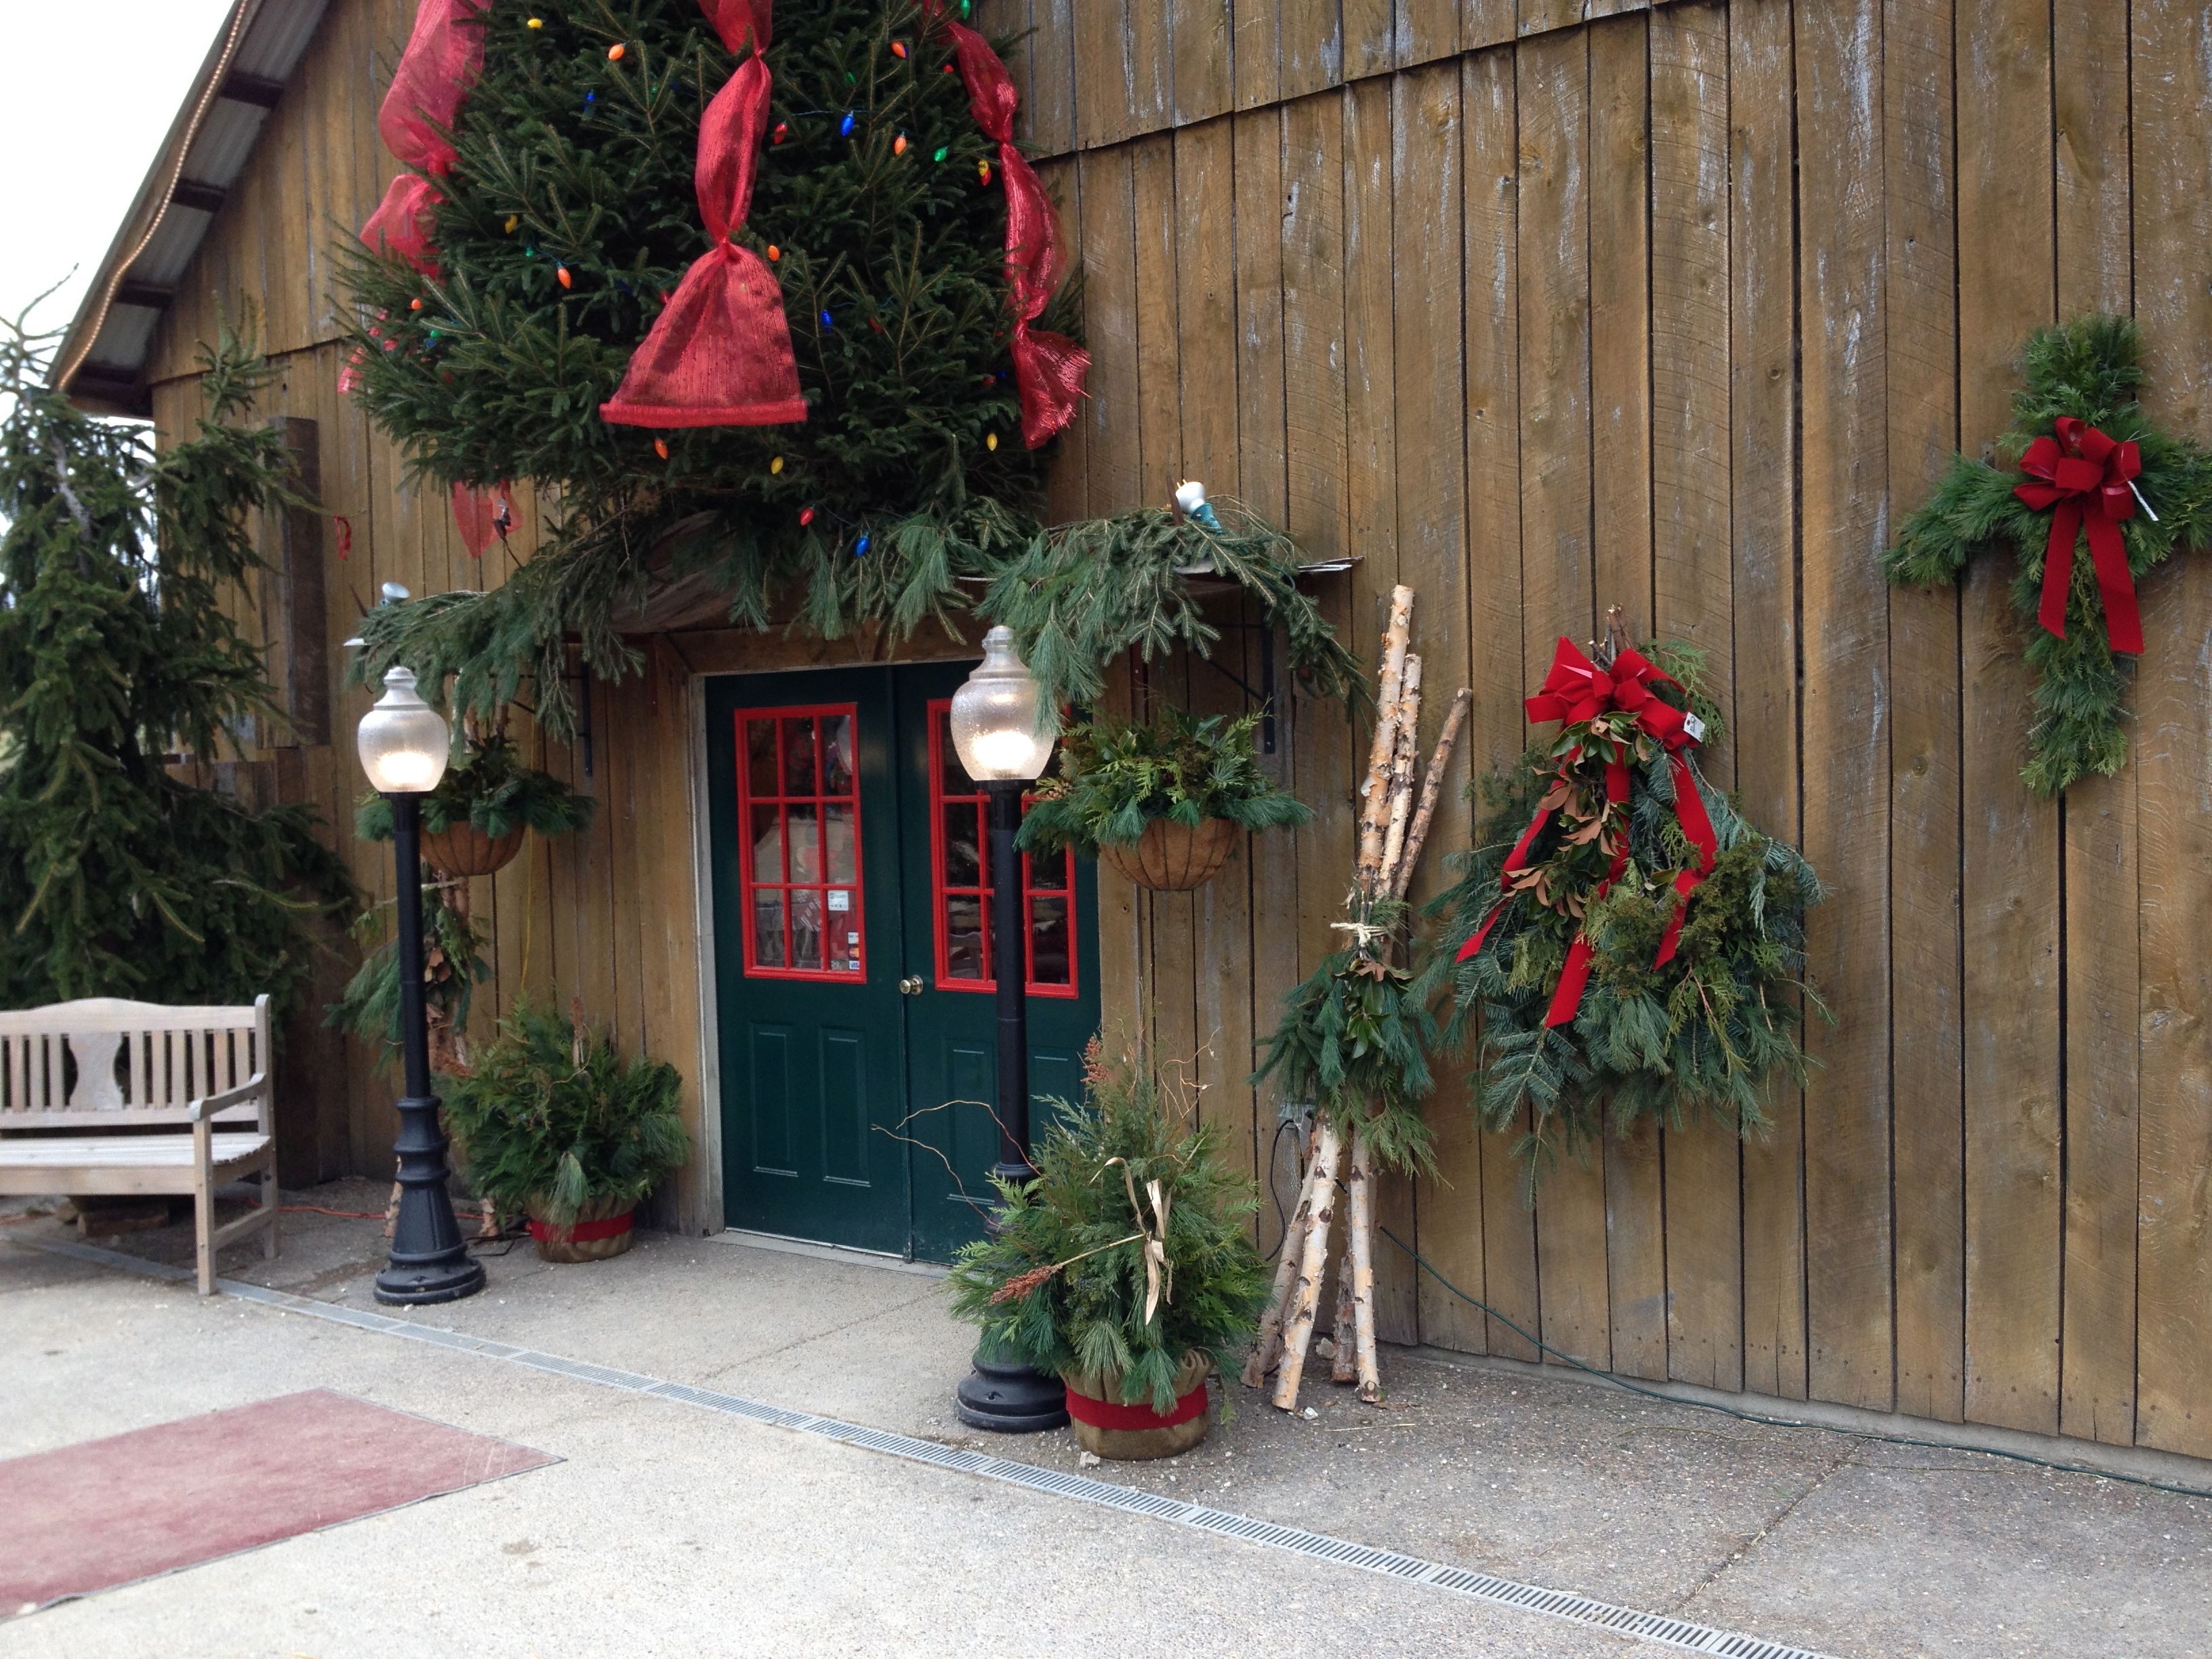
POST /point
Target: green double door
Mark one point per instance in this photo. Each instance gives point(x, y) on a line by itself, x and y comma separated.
point(853, 980)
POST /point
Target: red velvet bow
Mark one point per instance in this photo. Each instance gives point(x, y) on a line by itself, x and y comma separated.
point(1577, 689)
point(2085, 476)
point(1048, 367)
point(720, 353)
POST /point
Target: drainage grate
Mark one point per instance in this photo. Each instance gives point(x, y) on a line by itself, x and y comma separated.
point(1058, 1483)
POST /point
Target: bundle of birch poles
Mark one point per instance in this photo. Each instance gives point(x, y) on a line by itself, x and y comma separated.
point(1394, 824)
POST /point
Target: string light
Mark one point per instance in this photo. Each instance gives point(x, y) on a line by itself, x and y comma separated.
point(535, 23)
point(983, 171)
point(783, 131)
point(561, 274)
point(898, 48)
point(513, 222)
point(990, 441)
point(898, 145)
point(805, 516)
point(415, 304)
point(861, 547)
point(940, 153)
point(661, 447)
point(614, 52)
point(776, 464)
point(773, 253)
point(845, 127)
point(826, 320)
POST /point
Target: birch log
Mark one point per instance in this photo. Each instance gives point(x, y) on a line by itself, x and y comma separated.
point(1432, 789)
point(1400, 808)
point(1269, 1342)
point(1384, 748)
point(1359, 1262)
point(1298, 1335)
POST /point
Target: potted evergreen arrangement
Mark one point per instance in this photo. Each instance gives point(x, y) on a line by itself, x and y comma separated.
point(1162, 803)
point(554, 1123)
point(1127, 1267)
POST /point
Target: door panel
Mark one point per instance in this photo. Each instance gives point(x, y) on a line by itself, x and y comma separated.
point(803, 819)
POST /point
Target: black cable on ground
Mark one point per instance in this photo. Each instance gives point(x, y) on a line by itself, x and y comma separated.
point(1767, 1420)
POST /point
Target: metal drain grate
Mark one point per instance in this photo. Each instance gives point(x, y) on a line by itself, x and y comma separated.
point(1058, 1483)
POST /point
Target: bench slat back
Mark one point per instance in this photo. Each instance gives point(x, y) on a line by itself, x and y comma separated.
point(103, 1061)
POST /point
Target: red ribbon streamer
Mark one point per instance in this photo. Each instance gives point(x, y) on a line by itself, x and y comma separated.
point(582, 1233)
point(1111, 1414)
point(720, 353)
point(443, 58)
point(1048, 367)
point(1577, 689)
point(483, 514)
point(343, 525)
point(2084, 475)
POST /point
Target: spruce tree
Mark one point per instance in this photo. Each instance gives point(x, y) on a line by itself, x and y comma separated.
point(568, 218)
point(117, 878)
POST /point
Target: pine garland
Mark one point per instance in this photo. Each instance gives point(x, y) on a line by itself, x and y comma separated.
point(1079, 595)
point(2087, 371)
point(1702, 1032)
point(117, 877)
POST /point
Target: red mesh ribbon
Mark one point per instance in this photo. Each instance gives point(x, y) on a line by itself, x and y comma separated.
point(581, 1232)
point(1112, 1414)
point(483, 514)
point(2087, 479)
point(443, 57)
point(1048, 367)
point(1577, 689)
point(719, 352)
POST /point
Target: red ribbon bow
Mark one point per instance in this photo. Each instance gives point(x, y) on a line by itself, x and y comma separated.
point(2085, 476)
point(1577, 689)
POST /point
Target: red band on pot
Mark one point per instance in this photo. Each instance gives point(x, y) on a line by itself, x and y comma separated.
point(580, 1232)
point(1108, 1414)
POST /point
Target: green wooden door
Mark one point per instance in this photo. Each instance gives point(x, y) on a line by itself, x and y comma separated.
point(852, 980)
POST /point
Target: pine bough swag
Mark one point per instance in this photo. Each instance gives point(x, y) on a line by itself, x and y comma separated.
point(2082, 463)
point(1115, 779)
point(1654, 1033)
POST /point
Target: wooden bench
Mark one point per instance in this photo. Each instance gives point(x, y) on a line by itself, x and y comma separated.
point(104, 1065)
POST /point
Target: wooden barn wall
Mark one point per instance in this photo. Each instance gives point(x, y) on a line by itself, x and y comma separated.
point(1683, 310)
point(1680, 309)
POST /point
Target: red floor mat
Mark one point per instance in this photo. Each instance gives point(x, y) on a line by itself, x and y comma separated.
point(89, 1518)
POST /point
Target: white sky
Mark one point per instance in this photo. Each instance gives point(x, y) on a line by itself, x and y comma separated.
point(92, 86)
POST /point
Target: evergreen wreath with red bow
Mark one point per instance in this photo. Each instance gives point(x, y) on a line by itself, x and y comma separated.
point(2082, 464)
point(1621, 945)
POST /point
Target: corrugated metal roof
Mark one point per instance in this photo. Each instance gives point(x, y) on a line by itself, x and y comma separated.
point(102, 361)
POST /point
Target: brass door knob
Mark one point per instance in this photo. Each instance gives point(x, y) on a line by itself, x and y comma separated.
point(911, 986)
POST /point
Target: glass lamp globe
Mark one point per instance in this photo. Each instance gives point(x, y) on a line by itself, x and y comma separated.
point(403, 742)
point(1002, 727)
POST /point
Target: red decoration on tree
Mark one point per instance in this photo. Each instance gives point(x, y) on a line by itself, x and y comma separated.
point(1578, 690)
point(1048, 367)
point(443, 58)
point(719, 354)
point(2088, 478)
point(482, 515)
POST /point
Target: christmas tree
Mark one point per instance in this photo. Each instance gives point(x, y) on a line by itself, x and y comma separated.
point(117, 879)
point(567, 217)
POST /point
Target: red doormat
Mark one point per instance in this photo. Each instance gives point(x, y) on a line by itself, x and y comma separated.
point(89, 1518)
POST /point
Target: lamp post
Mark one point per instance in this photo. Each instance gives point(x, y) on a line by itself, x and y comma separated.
point(402, 745)
point(1003, 730)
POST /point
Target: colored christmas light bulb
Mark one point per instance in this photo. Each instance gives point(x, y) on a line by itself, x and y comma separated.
point(773, 253)
point(415, 304)
point(614, 52)
point(513, 222)
point(827, 322)
point(806, 516)
point(845, 127)
point(898, 48)
point(776, 464)
point(535, 23)
point(898, 145)
point(990, 441)
point(983, 171)
point(561, 274)
point(661, 447)
point(940, 153)
point(783, 131)
point(591, 97)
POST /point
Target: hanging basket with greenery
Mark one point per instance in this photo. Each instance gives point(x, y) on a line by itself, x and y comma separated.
point(473, 822)
point(1165, 802)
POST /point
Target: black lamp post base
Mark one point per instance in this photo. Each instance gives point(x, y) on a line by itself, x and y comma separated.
point(1010, 1399)
point(430, 1281)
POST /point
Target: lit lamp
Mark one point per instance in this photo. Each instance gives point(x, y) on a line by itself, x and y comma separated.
point(404, 745)
point(1003, 730)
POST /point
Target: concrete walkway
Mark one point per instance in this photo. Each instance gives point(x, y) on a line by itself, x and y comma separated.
point(673, 1530)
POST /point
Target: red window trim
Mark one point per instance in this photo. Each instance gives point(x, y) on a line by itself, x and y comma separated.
point(989, 985)
point(747, 884)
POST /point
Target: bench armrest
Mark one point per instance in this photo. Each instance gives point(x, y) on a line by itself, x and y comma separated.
point(205, 1108)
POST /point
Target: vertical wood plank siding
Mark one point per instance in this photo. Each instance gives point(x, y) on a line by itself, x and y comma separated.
point(1543, 308)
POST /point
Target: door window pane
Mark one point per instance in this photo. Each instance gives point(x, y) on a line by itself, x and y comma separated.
point(961, 870)
point(798, 799)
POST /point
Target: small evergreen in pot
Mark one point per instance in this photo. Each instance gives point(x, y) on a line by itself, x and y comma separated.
point(554, 1123)
point(1127, 1267)
point(1162, 803)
